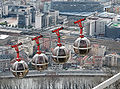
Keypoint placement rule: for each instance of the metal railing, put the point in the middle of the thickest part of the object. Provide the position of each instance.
(108, 82)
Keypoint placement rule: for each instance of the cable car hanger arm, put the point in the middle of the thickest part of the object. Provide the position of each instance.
(17, 50)
(81, 27)
(79, 20)
(38, 44)
(58, 35)
(37, 37)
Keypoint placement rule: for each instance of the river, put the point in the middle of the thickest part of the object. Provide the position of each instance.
(52, 82)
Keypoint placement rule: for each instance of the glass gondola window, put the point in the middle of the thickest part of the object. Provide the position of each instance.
(20, 66)
(61, 52)
(83, 44)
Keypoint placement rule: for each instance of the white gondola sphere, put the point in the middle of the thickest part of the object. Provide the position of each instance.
(20, 69)
(40, 61)
(82, 46)
(60, 55)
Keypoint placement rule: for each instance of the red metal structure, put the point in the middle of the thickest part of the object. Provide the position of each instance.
(80, 25)
(17, 51)
(58, 34)
(37, 42)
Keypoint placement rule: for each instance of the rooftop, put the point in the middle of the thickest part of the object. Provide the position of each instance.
(10, 30)
(84, 14)
(107, 15)
(3, 37)
(5, 57)
(114, 25)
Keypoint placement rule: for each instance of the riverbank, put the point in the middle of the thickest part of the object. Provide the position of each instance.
(62, 73)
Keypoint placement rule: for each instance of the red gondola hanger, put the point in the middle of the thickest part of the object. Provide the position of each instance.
(19, 68)
(81, 27)
(58, 35)
(17, 51)
(60, 54)
(82, 44)
(38, 44)
(40, 60)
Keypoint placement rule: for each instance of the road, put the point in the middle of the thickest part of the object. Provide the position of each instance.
(35, 73)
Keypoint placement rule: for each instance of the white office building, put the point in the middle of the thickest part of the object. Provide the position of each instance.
(55, 15)
(5, 10)
(95, 26)
(0, 12)
(112, 60)
(28, 47)
(38, 20)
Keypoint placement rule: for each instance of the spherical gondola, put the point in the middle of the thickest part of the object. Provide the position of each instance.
(20, 69)
(40, 60)
(60, 54)
(81, 45)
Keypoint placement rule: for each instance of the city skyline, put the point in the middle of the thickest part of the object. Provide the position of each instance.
(65, 44)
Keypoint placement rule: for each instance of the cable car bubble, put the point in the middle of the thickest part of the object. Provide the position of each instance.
(60, 54)
(40, 60)
(81, 45)
(19, 67)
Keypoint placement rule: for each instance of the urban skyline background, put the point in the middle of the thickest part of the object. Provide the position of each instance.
(21, 20)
